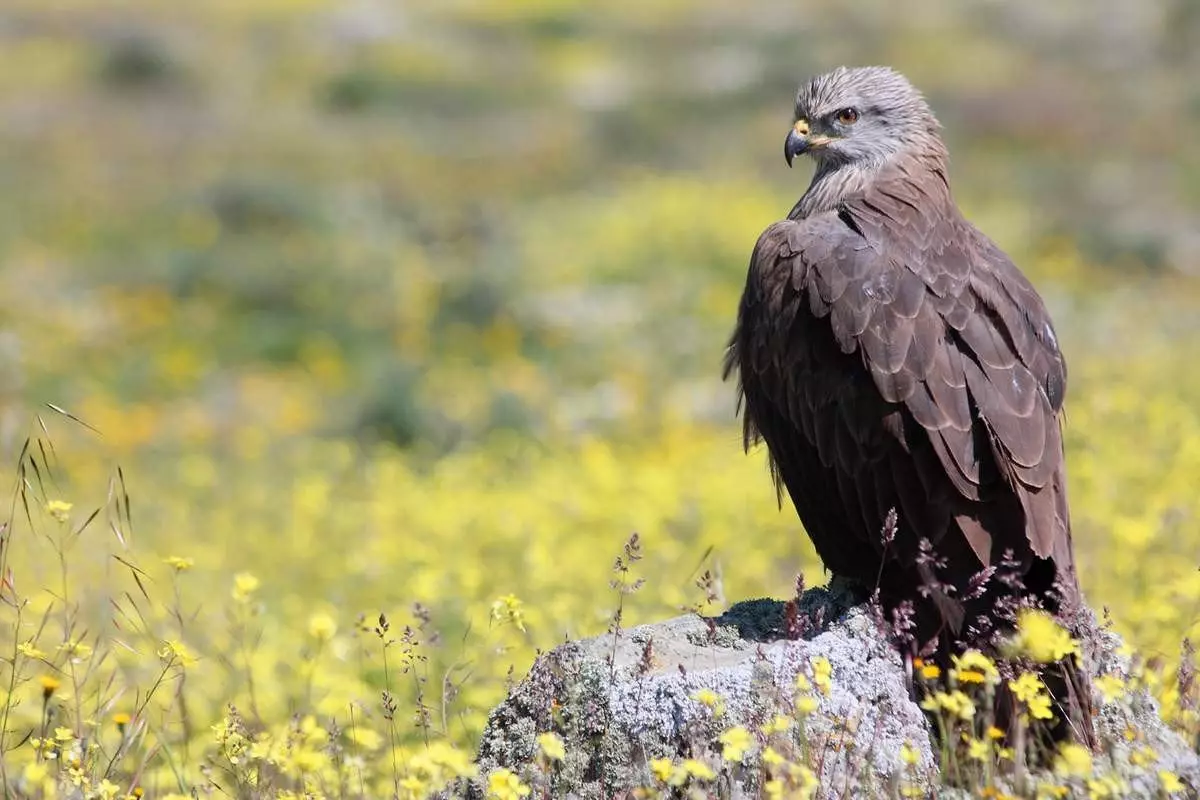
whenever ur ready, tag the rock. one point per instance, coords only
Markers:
(619, 702)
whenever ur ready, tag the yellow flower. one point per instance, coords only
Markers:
(1041, 638)
(1051, 791)
(994, 733)
(661, 769)
(773, 789)
(176, 651)
(974, 667)
(245, 584)
(28, 650)
(802, 683)
(504, 784)
(64, 734)
(822, 674)
(49, 685)
(909, 754)
(413, 788)
(1073, 761)
(1028, 688)
(955, 703)
(978, 749)
(806, 704)
(36, 771)
(59, 509)
(508, 609)
(322, 626)
(1111, 687)
(1104, 787)
(711, 700)
(77, 651)
(771, 757)
(735, 743)
(777, 724)
(121, 719)
(697, 769)
(1170, 782)
(107, 790)
(552, 746)
(179, 563)
(931, 672)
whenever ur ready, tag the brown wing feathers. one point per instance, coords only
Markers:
(892, 356)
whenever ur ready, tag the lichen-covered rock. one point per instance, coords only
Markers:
(671, 689)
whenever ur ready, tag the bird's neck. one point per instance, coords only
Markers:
(833, 182)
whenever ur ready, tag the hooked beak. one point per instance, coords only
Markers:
(799, 141)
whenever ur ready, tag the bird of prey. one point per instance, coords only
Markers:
(906, 379)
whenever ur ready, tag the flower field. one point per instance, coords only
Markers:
(345, 347)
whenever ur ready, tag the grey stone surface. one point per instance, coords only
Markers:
(619, 702)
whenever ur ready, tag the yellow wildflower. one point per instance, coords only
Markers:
(107, 790)
(1144, 756)
(1028, 688)
(179, 563)
(974, 667)
(28, 650)
(697, 769)
(777, 724)
(710, 699)
(806, 704)
(1105, 787)
(245, 584)
(822, 674)
(1170, 782)
(508, 609)
(978, 749)
(994, 733)
(1111, 687)
(77, 651)
(49, 685)
(59, 509)
(64, 734)
(802, 683)
(735, 743)
(773, 789)
(1041, 638)
(551, 746)
(661, 769)
(322, 626)
(931, 672)
(504, 784)
(176, 651)
(1073, 761)
(121, 719)
(413, 787)
(955, 703)
(1051, 791)
(909, 754)
(771, 757)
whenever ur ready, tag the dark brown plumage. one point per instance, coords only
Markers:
(891, 356)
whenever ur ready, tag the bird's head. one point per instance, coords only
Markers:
(859, 115)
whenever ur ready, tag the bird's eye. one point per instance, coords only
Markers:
(847, 116)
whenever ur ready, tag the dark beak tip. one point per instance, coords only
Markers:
(793, 146)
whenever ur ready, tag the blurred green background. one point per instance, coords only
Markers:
(389, 302)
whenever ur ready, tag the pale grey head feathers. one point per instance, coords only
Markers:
(862, 116)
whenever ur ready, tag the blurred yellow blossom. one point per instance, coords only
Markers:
(1170, 782)
(822, 674)
(661, 769)
(179, 563)
(1041, 638)
(735, 743)
(177, 652)
(59, 509)
(1073, 761)
(909, 755)
(551, 746)
(1029, 689)
(1111, 687)
(245, 584)
(711, 700)
(955, 703)
(322, 626)
(504, 784)
(777, 724)
(49, 685)
(974, 667)
(508, 609)
(931, 672)
(29, 650)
